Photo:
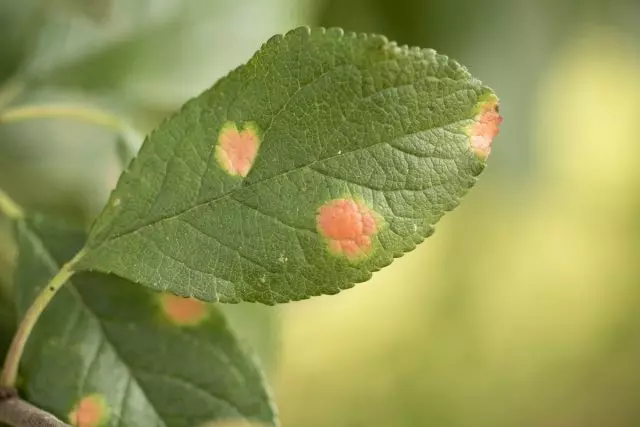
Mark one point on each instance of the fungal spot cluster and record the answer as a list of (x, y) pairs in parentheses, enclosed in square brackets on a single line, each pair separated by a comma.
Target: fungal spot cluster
[(236, 150), (348, 227), (183, 311), (485, 128), (90, 411)]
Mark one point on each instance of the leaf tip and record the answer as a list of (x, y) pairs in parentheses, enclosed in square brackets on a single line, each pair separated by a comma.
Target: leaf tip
[(486, 125)]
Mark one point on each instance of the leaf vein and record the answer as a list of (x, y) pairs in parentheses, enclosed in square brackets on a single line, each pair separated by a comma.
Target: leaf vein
[(198, 389), (220, 243), (229, 194)]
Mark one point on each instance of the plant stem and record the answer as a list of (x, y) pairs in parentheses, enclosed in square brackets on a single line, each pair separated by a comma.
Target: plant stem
[(9, 208), (17, 412), (86, 114), (12, 360)]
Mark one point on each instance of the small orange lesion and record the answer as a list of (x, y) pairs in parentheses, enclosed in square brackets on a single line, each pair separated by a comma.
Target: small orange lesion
[(236, 150), (90, 411), (486, 126), (183, 311), (348, 226)]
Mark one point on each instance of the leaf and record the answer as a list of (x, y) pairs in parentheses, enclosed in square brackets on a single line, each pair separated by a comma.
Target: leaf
[(300, 173), (119, 354), (125, 151), (123, 52), (259, 326), (19, 25)]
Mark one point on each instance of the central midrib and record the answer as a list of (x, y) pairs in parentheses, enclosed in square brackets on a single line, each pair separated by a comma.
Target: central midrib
[(266, 180), (239, 190)]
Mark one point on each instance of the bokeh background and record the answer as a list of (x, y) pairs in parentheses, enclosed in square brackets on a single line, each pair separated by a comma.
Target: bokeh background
[(522, 310)]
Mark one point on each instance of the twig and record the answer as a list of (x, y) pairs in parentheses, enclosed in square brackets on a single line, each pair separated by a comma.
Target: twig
[(80, 113), (20, 413), (85, 114), (10, 369)]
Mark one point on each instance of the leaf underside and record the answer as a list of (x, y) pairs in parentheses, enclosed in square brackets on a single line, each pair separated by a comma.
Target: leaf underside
[(371, 135), (105, 352)]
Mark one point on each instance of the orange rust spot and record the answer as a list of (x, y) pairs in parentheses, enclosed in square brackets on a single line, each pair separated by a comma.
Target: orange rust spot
[(485, 128), (183, 311), (348, 227), (91, 411), (237, 150)]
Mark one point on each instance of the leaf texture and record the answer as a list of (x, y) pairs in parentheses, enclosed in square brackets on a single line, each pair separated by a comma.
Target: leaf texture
[(298, 174), (107, 352)]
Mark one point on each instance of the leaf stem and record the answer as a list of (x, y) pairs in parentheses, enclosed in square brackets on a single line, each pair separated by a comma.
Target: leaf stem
[(12, 360), (10, 208), (86, 114)]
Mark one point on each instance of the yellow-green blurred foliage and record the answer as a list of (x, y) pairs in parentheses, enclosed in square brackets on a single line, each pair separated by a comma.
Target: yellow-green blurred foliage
[(522, 310)]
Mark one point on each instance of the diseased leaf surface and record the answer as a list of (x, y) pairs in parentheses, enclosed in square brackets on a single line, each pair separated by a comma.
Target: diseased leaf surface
[(299, 174), (111, 353)]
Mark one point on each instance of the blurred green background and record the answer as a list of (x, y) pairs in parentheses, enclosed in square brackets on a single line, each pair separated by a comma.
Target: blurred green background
[(522, 310)]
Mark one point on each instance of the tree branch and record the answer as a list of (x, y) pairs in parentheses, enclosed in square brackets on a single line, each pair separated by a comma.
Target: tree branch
[(19, 413)]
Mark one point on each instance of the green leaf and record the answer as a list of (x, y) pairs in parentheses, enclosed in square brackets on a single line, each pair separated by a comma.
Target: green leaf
[(123, 52), (259, 326), (361, 147), (19, 26), (124, 355), (125, 151)]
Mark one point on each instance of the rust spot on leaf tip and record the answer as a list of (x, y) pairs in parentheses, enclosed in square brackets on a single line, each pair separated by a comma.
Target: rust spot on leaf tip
[(485, 128), (183, 311), (236, 150), (91, 411), (348, 226)]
